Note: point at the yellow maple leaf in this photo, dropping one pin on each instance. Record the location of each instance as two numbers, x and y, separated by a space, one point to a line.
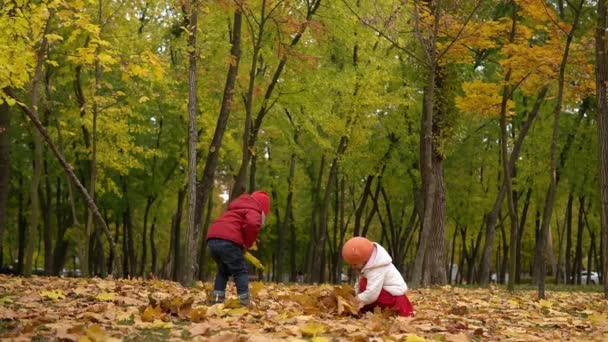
95 333
105 296
151 314
53 294
320 339
312 329
414 338
238 311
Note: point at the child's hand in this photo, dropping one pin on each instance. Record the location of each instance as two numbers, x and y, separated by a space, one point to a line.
357 303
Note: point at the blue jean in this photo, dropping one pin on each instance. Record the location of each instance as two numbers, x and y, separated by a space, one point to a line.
230 261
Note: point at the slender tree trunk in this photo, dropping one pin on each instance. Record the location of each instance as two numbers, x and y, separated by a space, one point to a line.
568 232
251 134
520 234
202 271
426 156
153 252
319 263
506 188
601 78
5 143
67 168
60 249
193 231
22 229
47 224
491 217
288 224
175 259
539 260
578 256
144 249
37 174
506 167
314 232
204 187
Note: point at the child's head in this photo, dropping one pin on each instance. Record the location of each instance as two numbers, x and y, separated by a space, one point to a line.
263 200
357 251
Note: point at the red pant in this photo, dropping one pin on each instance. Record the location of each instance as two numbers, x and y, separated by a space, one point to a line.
400 304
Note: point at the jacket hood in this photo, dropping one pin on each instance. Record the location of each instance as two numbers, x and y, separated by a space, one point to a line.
244 201
379 258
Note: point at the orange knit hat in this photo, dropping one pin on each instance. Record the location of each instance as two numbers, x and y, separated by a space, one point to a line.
357 250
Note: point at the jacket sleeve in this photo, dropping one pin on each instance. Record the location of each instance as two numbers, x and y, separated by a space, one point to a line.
375 280
251 227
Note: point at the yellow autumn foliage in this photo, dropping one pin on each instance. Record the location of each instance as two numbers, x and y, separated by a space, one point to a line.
482 98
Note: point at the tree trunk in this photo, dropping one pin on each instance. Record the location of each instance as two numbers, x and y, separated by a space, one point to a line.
203 188
252 129
142 268
67 168
22 229
288 223
46 220
37 173
601 78
202 271
5 120
506 167
153 252
520 234
506 188
539 260
491 217
435 257
568 232
426 159
319 261
175 256
314 233
193 231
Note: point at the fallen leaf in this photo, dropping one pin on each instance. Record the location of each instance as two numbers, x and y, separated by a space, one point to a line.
105 296
198 329
53 294
151 313
312 329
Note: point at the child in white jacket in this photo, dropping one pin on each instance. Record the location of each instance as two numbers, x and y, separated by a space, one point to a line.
380 283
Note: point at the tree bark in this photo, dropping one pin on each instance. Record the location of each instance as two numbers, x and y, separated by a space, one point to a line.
153 251
5 121
204 187
426 150
319 261
436 258
568 232
539 260
193 231
601 77
492 216
522 225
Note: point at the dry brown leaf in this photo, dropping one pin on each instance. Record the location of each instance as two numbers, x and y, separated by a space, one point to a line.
199 329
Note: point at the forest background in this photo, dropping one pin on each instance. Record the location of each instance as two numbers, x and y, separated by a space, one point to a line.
467 137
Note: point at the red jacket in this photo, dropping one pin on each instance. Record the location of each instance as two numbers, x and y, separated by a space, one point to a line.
240 223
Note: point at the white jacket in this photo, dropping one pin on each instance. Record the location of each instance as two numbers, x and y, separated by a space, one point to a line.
380 274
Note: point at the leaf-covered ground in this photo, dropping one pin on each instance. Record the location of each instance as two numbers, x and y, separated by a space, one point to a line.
69 309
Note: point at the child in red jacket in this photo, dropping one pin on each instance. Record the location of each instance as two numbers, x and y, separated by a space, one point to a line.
380 283
230 236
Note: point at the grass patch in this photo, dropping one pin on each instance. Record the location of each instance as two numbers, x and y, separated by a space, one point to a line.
150 335
6 326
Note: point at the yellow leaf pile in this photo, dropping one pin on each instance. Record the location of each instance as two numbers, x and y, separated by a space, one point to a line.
44 308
